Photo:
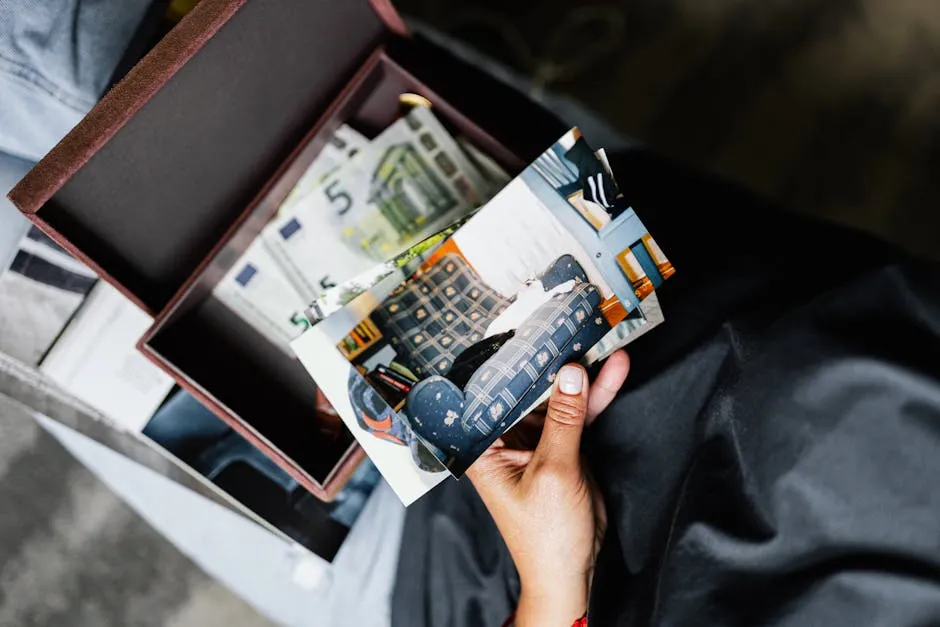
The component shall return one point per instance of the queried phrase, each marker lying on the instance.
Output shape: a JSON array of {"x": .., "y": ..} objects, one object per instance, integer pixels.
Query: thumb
[{"x": 560, "y": 443}]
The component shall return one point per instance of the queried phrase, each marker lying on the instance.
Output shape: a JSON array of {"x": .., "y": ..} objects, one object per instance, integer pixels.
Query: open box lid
[{"x": 147, "y": 184}]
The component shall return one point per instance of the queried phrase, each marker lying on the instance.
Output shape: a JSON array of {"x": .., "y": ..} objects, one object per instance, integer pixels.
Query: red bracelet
[{"x": 581, "y": 622}]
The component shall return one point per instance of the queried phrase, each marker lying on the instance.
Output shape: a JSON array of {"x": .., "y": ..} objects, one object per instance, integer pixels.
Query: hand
[{"x": 544, "y": 503}]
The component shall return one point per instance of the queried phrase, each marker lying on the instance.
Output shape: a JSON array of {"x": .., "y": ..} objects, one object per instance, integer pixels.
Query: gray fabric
[
  {"x": 73, "y": 554},
  {"x": 572, "y": 112},
  {"x": 454, "y": 569},
  {"x": 772, "y": 457},
  {"x": 363, "y": 574}
]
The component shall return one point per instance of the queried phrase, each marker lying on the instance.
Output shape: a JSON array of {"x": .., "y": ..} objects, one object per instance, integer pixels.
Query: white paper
[{"x": 96, "y": 359}]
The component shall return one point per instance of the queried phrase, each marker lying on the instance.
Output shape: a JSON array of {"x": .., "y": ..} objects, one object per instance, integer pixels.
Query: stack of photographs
[{"x": 432, "y": 355}]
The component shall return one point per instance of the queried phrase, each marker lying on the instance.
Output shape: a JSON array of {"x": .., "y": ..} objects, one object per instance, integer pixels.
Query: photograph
[
  {"x": 579, "y": 190},
  {"x": 429, "y": 371}
]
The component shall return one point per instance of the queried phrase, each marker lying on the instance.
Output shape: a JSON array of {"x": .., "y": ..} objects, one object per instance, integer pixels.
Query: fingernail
[{"x": 570, "y": 380}]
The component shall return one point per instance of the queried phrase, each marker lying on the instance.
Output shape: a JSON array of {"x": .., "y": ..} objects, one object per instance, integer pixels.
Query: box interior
[
  {"x": 257, "y": 381},
  {"x": 159, "y": 207},
  {"x": 266, "y": 388},
  {"x": 150, "y": 205}
]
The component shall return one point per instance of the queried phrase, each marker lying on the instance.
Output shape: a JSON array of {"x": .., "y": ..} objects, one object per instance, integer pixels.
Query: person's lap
[{"x": 778, "y": 433}]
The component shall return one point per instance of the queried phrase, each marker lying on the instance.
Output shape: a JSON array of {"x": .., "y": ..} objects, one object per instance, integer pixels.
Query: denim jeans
[
  {"x": 13, "y": 225},
  {"x": 56, "y": 58}
]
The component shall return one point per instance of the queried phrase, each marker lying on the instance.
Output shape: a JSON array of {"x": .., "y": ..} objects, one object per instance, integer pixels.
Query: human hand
[{"x": 546, "y": 506}]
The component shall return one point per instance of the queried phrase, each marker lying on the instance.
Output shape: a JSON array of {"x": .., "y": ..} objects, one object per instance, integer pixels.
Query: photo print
[{"x": 429, "y": 369}]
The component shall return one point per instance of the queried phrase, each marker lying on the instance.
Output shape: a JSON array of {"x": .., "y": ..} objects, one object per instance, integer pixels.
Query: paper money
[
  {"x": 345, "y": 144},
  {"x": 256, "y": 290},
  {"x": 411, "y": 180},
  {"x": 402, "y": 265}
]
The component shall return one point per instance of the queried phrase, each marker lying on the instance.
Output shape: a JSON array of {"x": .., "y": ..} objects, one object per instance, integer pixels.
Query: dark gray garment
[
  {"x": 453, "y": 568},
  {"x": 56, "y": 58},
  {"x": 773, "y": 457}
]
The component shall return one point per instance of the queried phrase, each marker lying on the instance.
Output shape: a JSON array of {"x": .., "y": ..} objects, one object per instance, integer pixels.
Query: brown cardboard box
[{"x": 165, "y": 183}]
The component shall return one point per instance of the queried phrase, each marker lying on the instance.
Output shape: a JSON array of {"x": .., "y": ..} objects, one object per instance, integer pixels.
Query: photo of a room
[
  {"x": 460, "y": 351},
  {"x": 429, "y": 364},
  {"x": 587, "y": 201}
]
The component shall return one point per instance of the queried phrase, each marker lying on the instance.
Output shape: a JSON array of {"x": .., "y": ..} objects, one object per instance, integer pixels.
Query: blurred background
[{"x": 827, "y": 108}]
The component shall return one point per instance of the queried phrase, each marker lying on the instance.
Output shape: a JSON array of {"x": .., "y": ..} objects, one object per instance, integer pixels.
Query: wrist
[{"x": 560, "y": 606}]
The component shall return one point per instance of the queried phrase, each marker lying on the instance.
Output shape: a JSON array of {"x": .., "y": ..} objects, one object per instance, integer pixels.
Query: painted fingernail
[{"x": 570, "y": 380}]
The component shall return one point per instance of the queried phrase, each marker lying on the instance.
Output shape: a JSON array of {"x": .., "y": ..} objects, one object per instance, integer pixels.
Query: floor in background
[
  {"x": 827, "y": 108},
  {"x": 74, "y": 555}
]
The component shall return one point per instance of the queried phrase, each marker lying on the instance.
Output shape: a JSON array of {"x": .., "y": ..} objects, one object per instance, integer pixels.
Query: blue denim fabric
[
  {"x": 352, "y": 499},
  {"x": 188, "y": 430},
  {"x": 56, "y": 57}
]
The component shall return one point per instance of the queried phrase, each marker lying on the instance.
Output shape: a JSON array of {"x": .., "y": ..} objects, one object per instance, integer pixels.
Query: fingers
[
  {"x": 608, "y": 383},
  {"x": 516, "y": 457},
  {"x": 561, "y": 435},
  {"x": 497, "y": 470},
  {"x": 484, "y": 464},
  {"x": 573, "y": 403}
]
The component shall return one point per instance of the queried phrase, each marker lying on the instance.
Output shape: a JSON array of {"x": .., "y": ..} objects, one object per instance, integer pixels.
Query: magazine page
[
  {"x": 428, "y": 372},
  {"x": 95, "y": 359}
]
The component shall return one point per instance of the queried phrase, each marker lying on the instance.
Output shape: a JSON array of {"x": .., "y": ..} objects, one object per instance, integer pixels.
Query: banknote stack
[{"x": 360, "y": 203}]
